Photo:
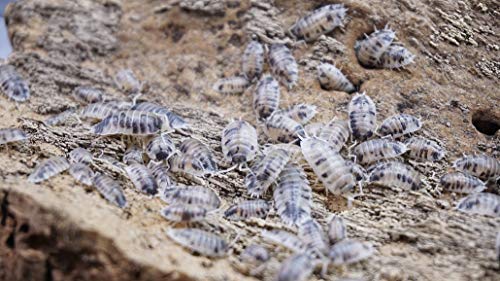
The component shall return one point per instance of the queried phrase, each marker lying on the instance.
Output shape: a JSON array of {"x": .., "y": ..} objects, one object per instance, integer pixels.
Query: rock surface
[{"x": 59, "y": 230}]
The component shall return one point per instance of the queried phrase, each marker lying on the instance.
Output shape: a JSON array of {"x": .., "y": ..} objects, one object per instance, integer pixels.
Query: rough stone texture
[{"x": 59, "y": 230}]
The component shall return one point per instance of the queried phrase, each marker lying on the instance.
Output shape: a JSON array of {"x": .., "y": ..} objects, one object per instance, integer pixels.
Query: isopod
[
  {"x": 301, "y": 113},
  {"x": 336, "y": 133},
  {"x": 283, "y": 65},
  {"x": 126, "y": 81},
  {"x": 337, "y": 230},
  {"x": 422, "y": 149},
  {"x": 266, "y": 97},
  {"x": 184, "y": 213},
  {"x": 131, "y": 122},
  {"x": 247, "y": 209},
  {"x": 279, "y": 127},
  {"x": 362, "y": 116},
  {"x": 395, "y": 174},
  {"x": 313, "y": 129},
  {"x": 459, "y": 182},
  {"x": 293, "y": 195},
  {"x": 350, "y": 251},
  {"x": 101, "y": 110},
  {"x": 285, "y": 239},
  {"x": 174, "y": 120},
  {"x": 109, "y": 189},
  {"x": 373, "y": 46},
  {"x": 399, "y": 125},
  {"x": 481, "y": 166},
  {"x": 142, "y": 178},
  {"x": 396, "y": 56},
  {"x": 252, "y": 61},
  {"x": 87, "y": 94},
  {"x": 296, "y": 268},
  {"x": 9, "y": 135},
  {"x": 68, "y": 117},
  {"x": 320, "y": 21},
  {"x": 239, "y": 142},
  {"x": 191, "y": 195},
  {"x": 233, "y": 85},
  {"x": 160, "y": 148},
  {"x": 80, "y": 155},
  {"x": 13, "y": 85},
  {"x": 313, "y": 235},
  {"x": 480, "y": 203},
  {"x": 331, "y": 78},
  {"x": 49, "y": 168},
  {"x": 372, "y": 151},
  {"x": 333, "y": 171},
  {"x": 133, "y": 155},
  {"x": 266, "y": 171},
  {"x": 254, "y": 254},
  {"x": 81, "y": 173},
  {"x": 195, "y": 158},
  {"x": 200, "y": 241},
  {"x": 160, "y": 174}
]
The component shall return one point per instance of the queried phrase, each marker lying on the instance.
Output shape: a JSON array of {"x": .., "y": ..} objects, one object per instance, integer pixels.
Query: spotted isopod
[
  {"x": 266, "y": 97},
  {"x": 231, "y": 85},
  {"x": 350, "y": 251},
  {"x": 131, "y": 122},
  {"x": 396, "y": 56},
  {"x": 284, "y": 238},
  {"x": 301, "y": 113},
  {"x": 331, "y": 78},
  {"x": 298, "y": 267},
  {"x": 133, "y": 155},
  {"x": 200, "y": 241},
  {"x": 239, "y": 142},
  {"x": 160, "y": 148},
  {"x": 399, "y": 125},
  {"x": 279, "y": 127},
  {"x": 459, "y": 182},
  {"x": 126, "y": 81},
  {"x": 480, "y": 165},
  {"x": 142, "y": 178},
  {"x": 196, "y": 158},
  {"x": 395, "y": 174},
  {"x": 80, "y": 155},
  {"x": 101, "y": 110},
  {"x": 313, "y": 235},
  {"x": 88, "y": 94},
  {"x": 480, "y": 203},
  {"x": 175, "y": 121},
  {"x": 68, "y": 117},
  {"x": 320, "y": 21},
  {"x": 362, "y": 116},
  {"x": 373, "y": 46},
  {"x": 422, "y": 149},
  {"x": 49, "y": 168},
  {"x": 184, "y": 213},
  {"x": 160, "y": 174},
  {"x": 337, "y": 229},
  {"x": 333, "y": 171},
  {"x": 266, "y": 171},
  {"x": 336, "y": 133},
  {"x": 109, "y": 189},
  {"x": 293, "y": 195},
  {"x": 252, "y": 61},
  {"x": 283, "y": 65},
  {"x": 9, "y": 135},
  {"x": 247, "y": 209},
  {"x": 372, "y": 151},
  {"x": 12, "y": 84},
  {"x": 191, "y": 195},
  {"x": 81, "y": 173}
]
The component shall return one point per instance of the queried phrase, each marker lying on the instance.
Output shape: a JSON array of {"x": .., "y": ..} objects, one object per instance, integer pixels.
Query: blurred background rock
[{"x": 5, "y": 47}]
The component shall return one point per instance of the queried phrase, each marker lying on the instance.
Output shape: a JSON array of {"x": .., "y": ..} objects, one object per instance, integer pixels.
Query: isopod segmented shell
[
  {"x": 320, "y": 21},
  {"x": 481, "y": 166},
  {"x": 331, "y": 78},
  {"x": 133, "y": 155},
  {"x": 336, "y": 133},
  {"x": 252, "y": 61},
  {"x": 191, "y": 195},
  {"x": 266, "y": 171},
  {"x": 12, "y": 84},
  {"x": 160, "y": 148},
  {"x": 48, "y": 168},
  {"x": 362, "y": 116},
  {"x": 80, "y": 155},
  {"x": 195, "y": 158},
  {"x": 174, "y": 120},
  {"x": 239, "y": 142},
  {"x": 462, "y": 183},
  {"x": 184, "y": 213},
  {"x": 395, "y": 174},
  {"x": 399, "y": 125},
  {"x": 160, "y": 174},
  {"x": 126, "y": 80},
  {"x": 480, "y": 203},
  {"x": 247, "y": 209},
  {"x": 231, "y": 85},
  {"x": 88, "y": 94},
  {"x": 293, "y": 195},
  {"x": 337, "y": 229},
  {"x": 279, "y": 127},
  {"x": 296, "y": 268},
  {"x": 328, "y": 165},
  {"x": 142, "y": 178},
  {"x": 373, "y": 46},
  {"x": 283, "y": 65},
  {"x": 101, "y": 110},
  {"x": 301, "y": 113},
  {"x": 81, "y": 173},
  {"x": 8, "y": 135},
  {"x": 313, "y": 235},
  {"x": 110, "y": 190},
  {"x": 200, "y": 241},
  {"x": 284, "y": 238},
  {"x": 422, "y": 149},
  {"x": 396, "y": 56},
  {"x": 350, "y": 251},
  {"x": 131, "y": 122},
  {"x": 266, "y": 97},
  {"x": 372, "y": 151}
]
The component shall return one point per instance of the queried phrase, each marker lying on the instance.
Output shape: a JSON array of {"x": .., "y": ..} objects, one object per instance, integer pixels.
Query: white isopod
[
  {"x": 301, "y": 113},
  {"x": 279, "y": 127},
  {"x": 350, "y": 251},
  {"x": 372, "y": 151},
  {"x": 49, "y": 168},
  {"x": 480, "y": 203},
  {"x": 133, "y": 155},
  {"x": 298, "y": 267},
  {"x": 320, "y": 21},
  {"x": 285, "y": 239},
  {"x": 313, "y": 235},
  {"x": 184, "y": 213},
  {"x": 247, "y": 209},
  {"x": 283, "y": 65},
  {"x": 88, "y": 94},
  {"x": 254, "y": 254},
  {"x": 395, "y": 174},
  {"x": 266, "y": 97},
  {"x": 422, "y": 149},
  {"x": 101, "y": 110},
  {"x": 252, "y": 61},
  {"x": 175, "y": 121},
  {"x": 459, "y": 182},
  {"x": 399, "y": 125},
  {"x": 239, "y": 142},
  {"x": 80, "y": 155},
  {"x": 9, "y": 135},
  {"x": 109, "y": 189},
  {"x": 131, "y": 122},
  {"x": 195, "y": 158},
  {"x": 191, "y": 195},
  {"x": 266, "y": 171},
  {"x": 396, "y": 56},
  {"x": 481, "y": 166},
  {"x": 68, "y": 117},
  {"x": 160, "y": 148},
  {"x": 160, "y": 174},
  {"x": 336, "y": 133},
  {"x": 331, "y": 78},
  {"x": 337, "y": 229},
  {"x": 12, "y": 84},
  {"x": 200, "y": 241},
  {"x": 81, "y": 173},
  {"x": 142, "y": 178},
  {"x": 231, "y": 85},
  {"x": 373, "y": 46},
  {"x": 126, "y": 81},
  {"x": 362, "y": 116}
]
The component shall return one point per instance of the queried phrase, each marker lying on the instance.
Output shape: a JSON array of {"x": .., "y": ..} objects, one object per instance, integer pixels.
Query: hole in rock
[{"x": 486, "y": 121}]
